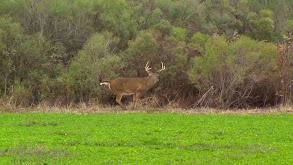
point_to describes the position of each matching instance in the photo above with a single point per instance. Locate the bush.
(142, 49)
(237, 71)
(92, 64)
(20, 96)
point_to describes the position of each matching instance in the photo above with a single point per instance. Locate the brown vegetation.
(147, 106)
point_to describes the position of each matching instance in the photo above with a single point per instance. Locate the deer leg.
(133, 100)
(136, 100)
(118, 100)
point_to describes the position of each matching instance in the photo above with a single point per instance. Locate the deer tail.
(105, 82)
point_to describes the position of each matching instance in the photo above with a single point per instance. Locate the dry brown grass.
(144, 107)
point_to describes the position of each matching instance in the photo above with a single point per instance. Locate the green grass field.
(137, 138)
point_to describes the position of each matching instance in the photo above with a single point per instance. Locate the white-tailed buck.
(133, 86)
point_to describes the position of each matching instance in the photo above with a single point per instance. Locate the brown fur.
(136, 85)
(128, 86)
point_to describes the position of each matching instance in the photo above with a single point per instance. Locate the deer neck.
(151, 80)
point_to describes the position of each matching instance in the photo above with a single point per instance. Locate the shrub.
(92, 64)
(20, 96)
(237, 71)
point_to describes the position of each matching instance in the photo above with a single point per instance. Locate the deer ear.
(149, 73)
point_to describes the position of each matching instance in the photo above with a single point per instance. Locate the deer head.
(155, 75)
(133, 86)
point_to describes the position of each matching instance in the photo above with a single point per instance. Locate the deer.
(133, 86)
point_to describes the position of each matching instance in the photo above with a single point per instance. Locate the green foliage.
(156, 16)
(66, 138)
(144, 45)
(199, 40)
(266, 13)
(178, 34)
(163, 26)
(11, 33)
(180, 59)
(217, 17)
(10, 39)
(93, 63)
(115, 17)
(233, 68)
(258, 59)
(20, 96)
(63, 48)
(262, 25)
(180, 10)
(212, 63)
(289, 26)
(142, 49)
(243, 7)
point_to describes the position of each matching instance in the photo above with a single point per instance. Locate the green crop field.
(137, 138)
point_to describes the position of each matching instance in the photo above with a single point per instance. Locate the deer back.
(132, 85)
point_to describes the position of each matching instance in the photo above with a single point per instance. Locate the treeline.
(218, 53)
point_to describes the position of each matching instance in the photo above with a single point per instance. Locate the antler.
(163, 68)
(147, 67)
